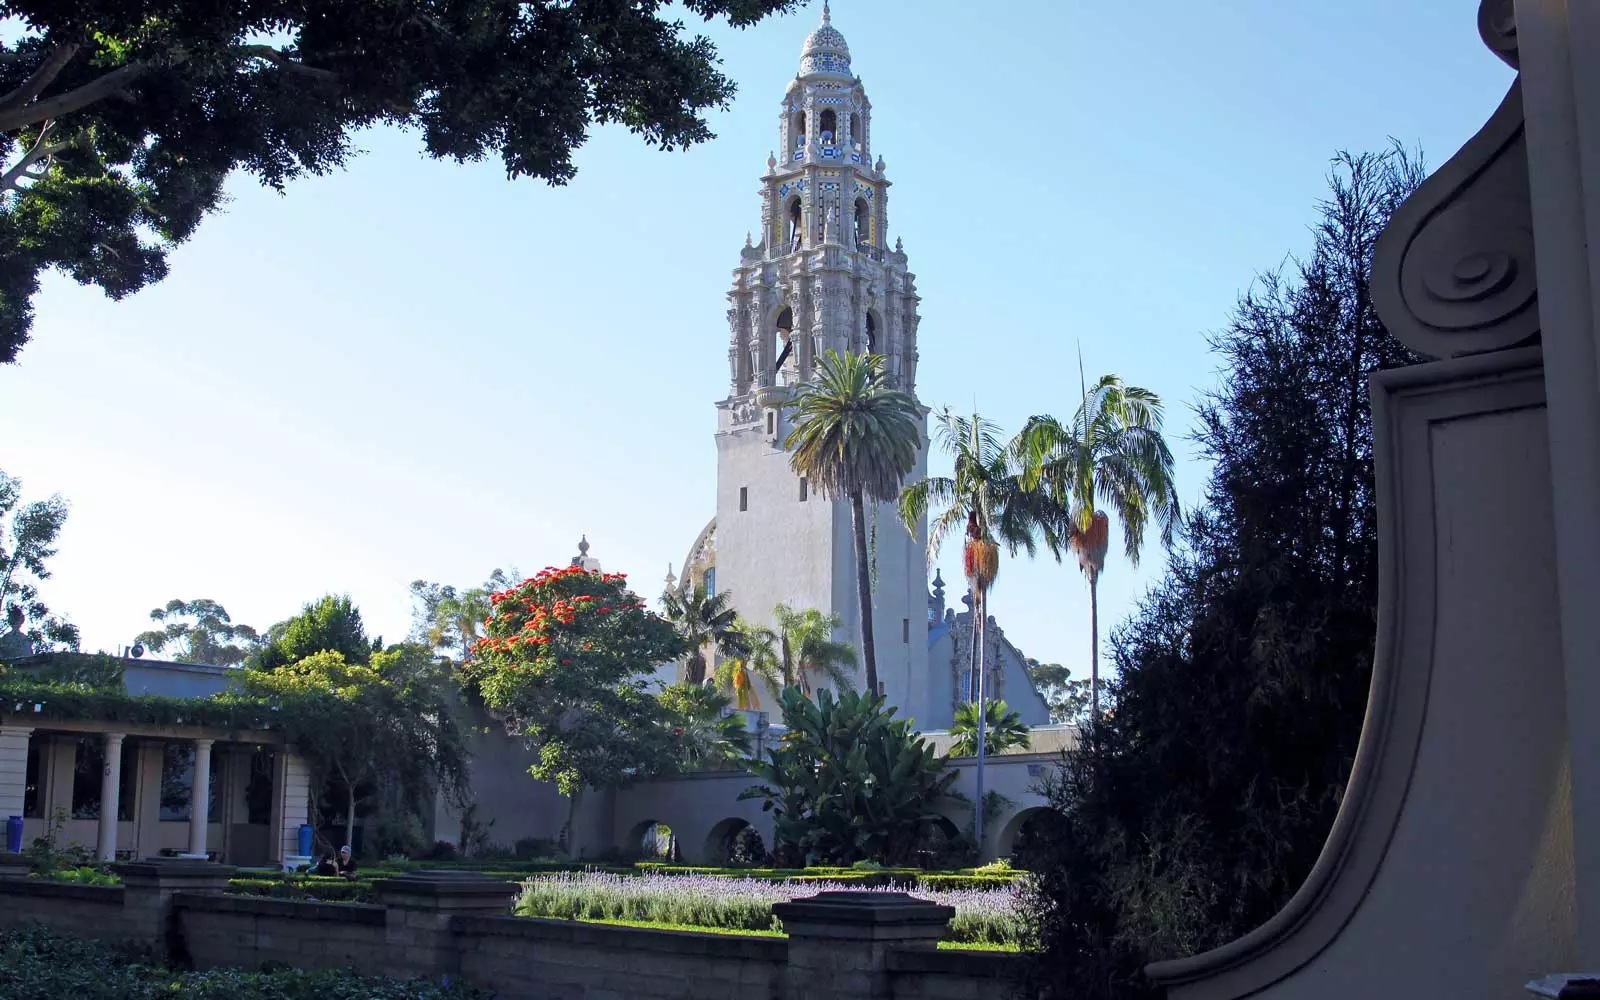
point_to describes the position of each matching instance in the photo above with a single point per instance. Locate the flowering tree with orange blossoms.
(563, 664)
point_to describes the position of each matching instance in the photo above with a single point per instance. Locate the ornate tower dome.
(825, 50)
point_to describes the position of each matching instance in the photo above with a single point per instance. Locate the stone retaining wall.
(523, 959)
(245, 932)
(841, 946)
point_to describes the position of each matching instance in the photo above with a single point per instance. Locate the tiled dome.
(825, 50)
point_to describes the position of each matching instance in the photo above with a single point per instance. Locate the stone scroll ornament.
(1453, 272)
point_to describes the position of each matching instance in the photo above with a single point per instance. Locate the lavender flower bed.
(982, 916)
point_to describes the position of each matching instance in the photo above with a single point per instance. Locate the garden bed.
(983, 916)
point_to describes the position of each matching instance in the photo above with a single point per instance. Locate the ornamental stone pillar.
(840, 942)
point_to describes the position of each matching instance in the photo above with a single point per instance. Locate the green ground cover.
(39, 964)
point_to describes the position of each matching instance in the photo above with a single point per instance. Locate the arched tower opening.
(798, 130)
(783, 346)
(795, 237)
(863, 222)
(829, 127)
(872, 333)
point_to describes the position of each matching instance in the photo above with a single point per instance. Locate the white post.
(13, 771)
(200, 798)
(110, 788)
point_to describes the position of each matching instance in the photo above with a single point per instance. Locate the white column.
(110, 787)
(1556, 40)
(292, 791)
(13, 771)
(199, 798)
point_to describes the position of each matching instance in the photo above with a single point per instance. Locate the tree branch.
(73, 100)
(277, 58)
(40, 78)
(41, 149)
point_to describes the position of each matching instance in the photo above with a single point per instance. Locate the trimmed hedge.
(325, 888)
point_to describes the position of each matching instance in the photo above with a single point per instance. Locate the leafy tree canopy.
(28, 533)
(848, 781)
(390, 718)
(120, 122)
(447, 619)
(1200, 802)
(1066, 697)
(199, 631)
(332, 624)
(564, 664)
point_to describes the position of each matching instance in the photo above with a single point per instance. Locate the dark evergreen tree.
(1201, 804)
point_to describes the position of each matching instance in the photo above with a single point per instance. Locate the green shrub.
(40, 964)
(80, 875)
(326, 889)
(940, 881)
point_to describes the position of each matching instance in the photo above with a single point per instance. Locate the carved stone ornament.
(1453, 272)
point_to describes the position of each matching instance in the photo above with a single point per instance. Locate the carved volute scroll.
(1453, 272)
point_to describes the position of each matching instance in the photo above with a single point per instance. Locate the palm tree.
(855, 437)
(987, 492)
(755, 661)
(705, 735)
(1111, 452)
(702, 620)
(807, 649)
(1003, 726)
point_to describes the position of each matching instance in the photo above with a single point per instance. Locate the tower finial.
(826, 14)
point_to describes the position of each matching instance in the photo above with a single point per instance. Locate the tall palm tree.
(1111, 452)
(755, 662)
(987, 491)
(856, 437)
(702, 620)
(808, 651)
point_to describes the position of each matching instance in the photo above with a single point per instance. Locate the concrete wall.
(536, 959)
(505, 794)
(702, 809)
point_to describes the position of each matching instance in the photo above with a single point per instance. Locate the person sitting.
(324, 866)
(347, 863)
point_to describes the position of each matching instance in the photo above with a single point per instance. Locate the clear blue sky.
(415, 369)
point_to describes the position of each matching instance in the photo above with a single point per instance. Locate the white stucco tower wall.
(820, 277)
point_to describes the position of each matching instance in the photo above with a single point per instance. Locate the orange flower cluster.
(525, 617)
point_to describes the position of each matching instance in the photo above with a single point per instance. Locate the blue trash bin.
(14, 835)
(305, 840)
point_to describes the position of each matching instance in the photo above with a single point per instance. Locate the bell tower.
(822, 276)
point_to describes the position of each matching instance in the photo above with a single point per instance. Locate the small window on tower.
(802, 489)
(872, 334)
(863, 223)
(829, 126)
(905, 631)
(772, 421)
(744, 498)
